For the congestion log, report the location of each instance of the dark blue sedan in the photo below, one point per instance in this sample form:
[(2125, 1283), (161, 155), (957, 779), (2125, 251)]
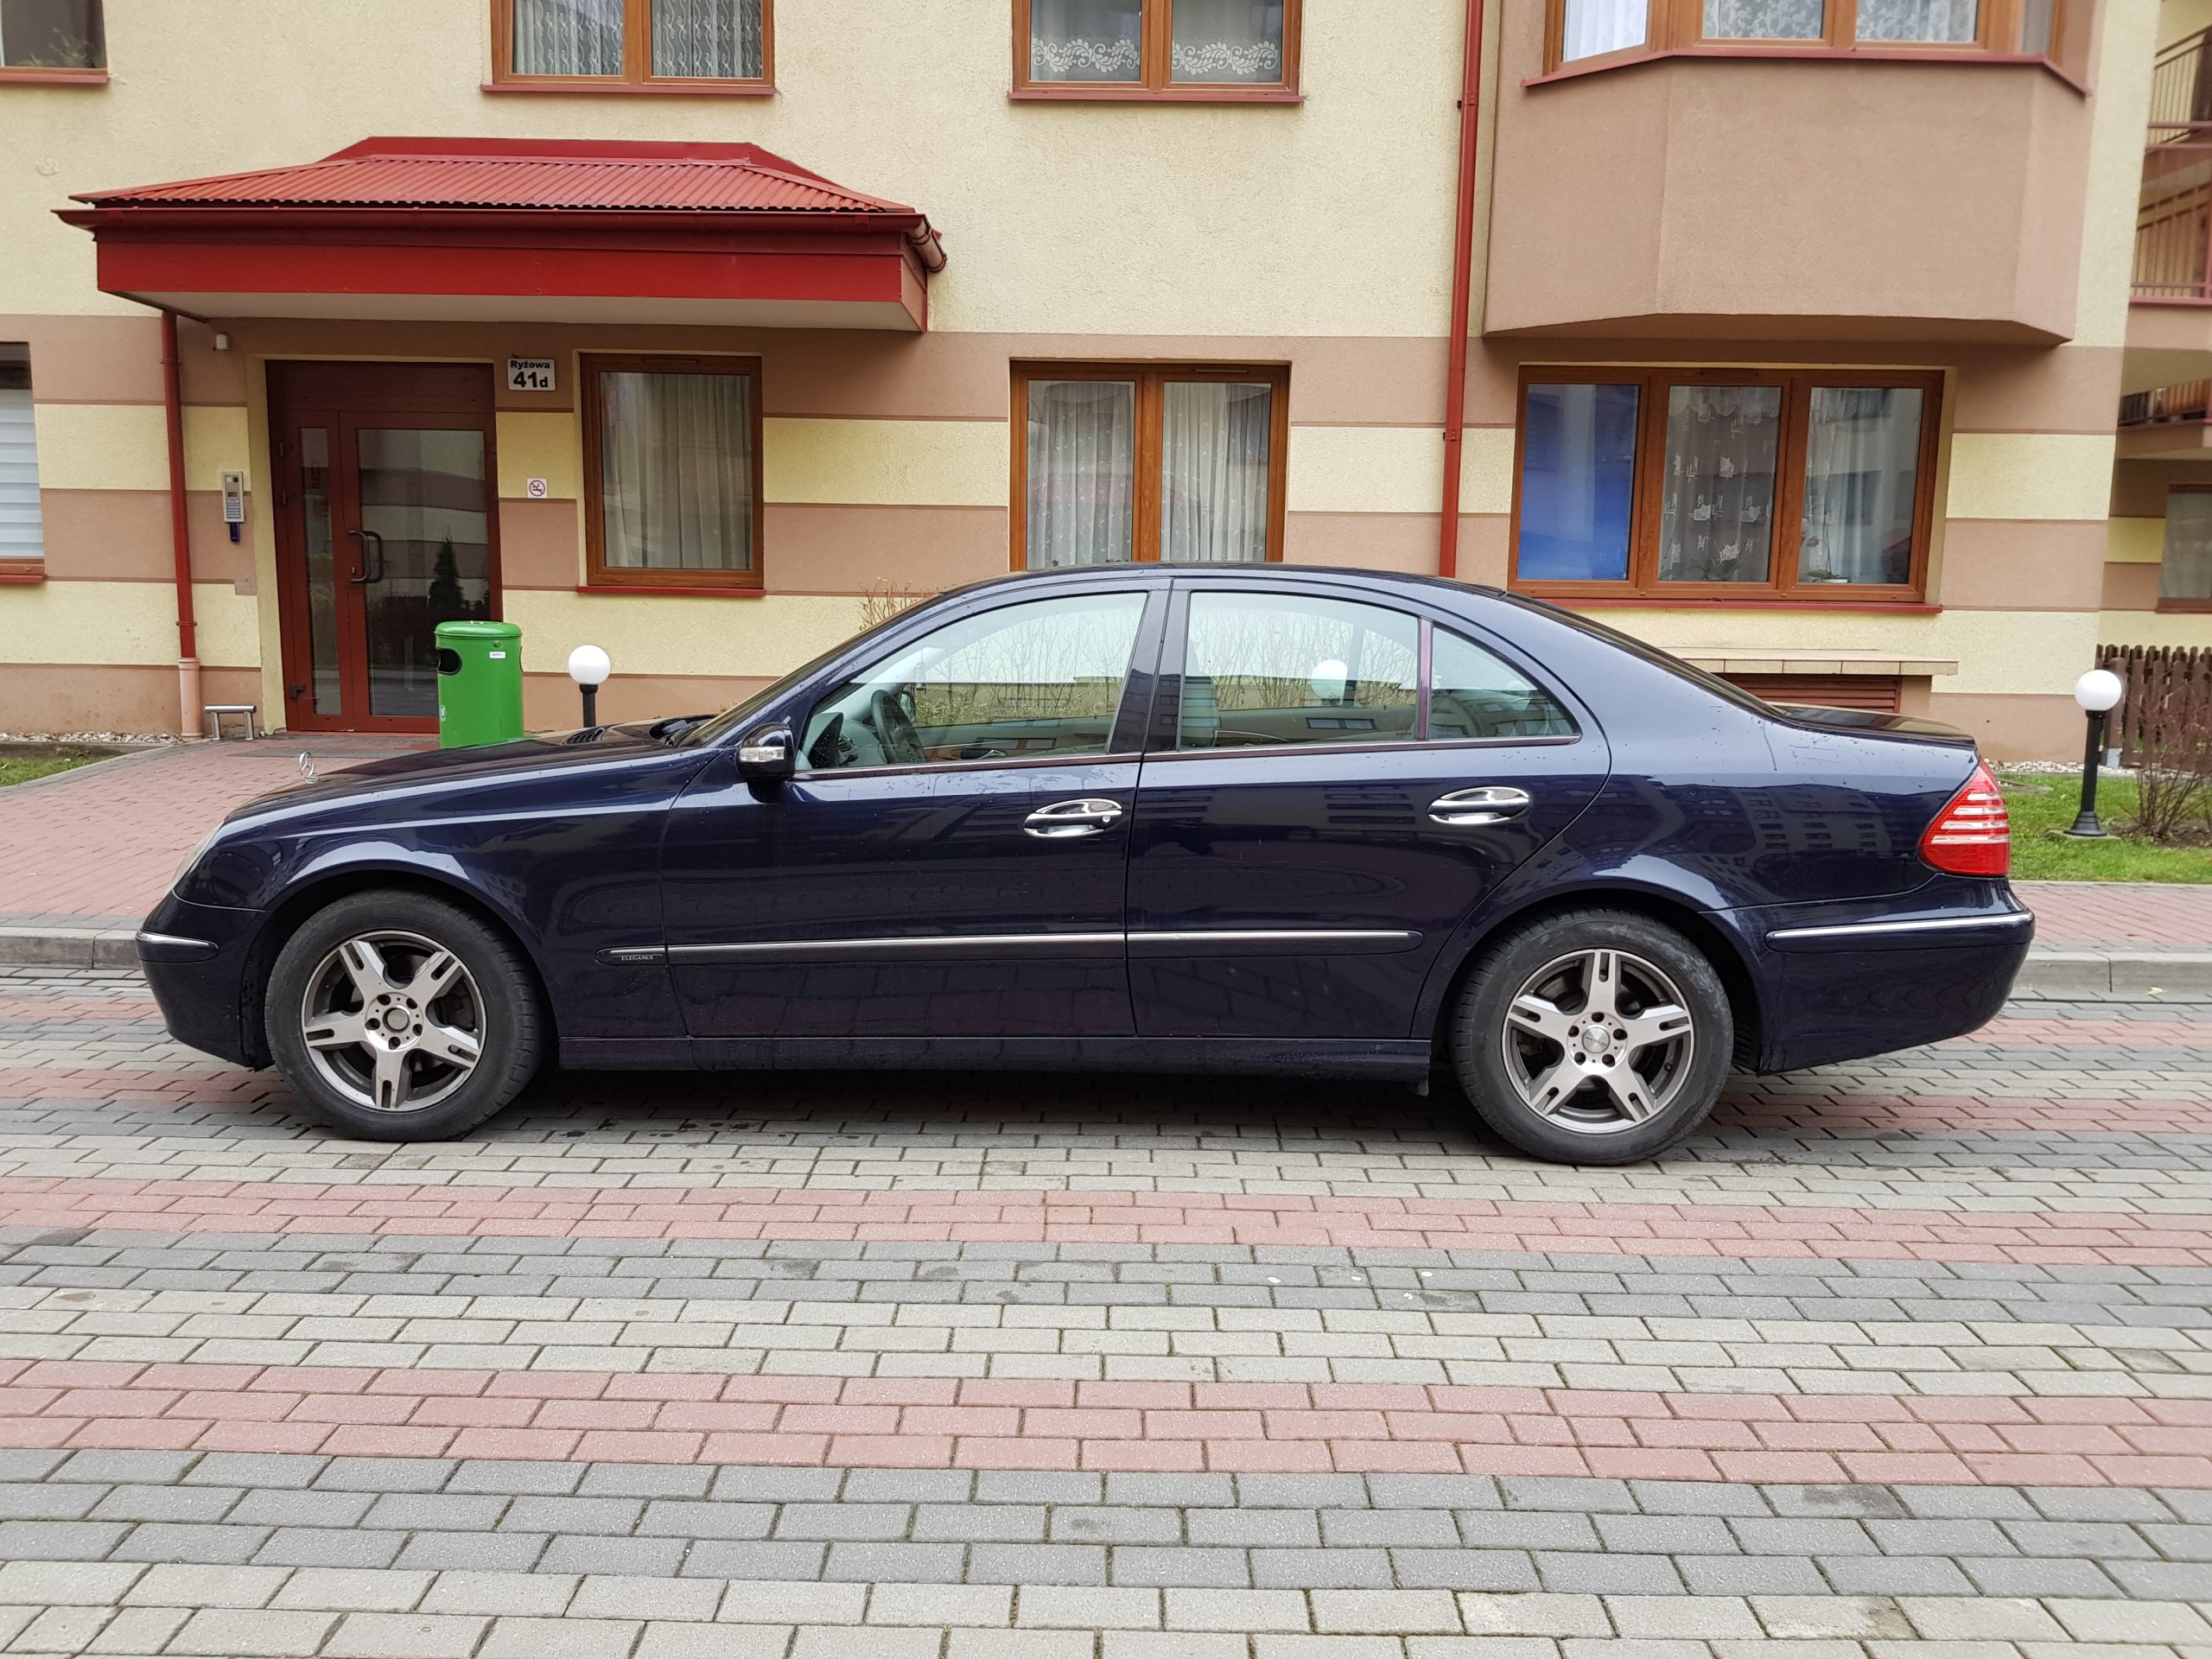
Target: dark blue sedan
[(1241, 820)]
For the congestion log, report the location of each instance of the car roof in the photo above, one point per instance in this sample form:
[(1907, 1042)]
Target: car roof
[(1259, 574)]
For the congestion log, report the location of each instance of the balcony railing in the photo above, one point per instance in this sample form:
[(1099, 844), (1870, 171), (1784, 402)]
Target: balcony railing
[(2166, 406), (2173, 222)]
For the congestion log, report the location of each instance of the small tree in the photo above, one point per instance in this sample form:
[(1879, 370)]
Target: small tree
[(2173, 777), (446, 603)]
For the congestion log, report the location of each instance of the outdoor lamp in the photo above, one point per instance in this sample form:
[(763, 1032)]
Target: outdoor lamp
[(2099, 692), (588, 666)]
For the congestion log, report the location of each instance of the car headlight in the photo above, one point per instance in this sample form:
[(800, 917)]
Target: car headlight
[(194, 857)]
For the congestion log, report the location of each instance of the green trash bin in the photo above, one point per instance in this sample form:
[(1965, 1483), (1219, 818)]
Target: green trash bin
[(480, 683)]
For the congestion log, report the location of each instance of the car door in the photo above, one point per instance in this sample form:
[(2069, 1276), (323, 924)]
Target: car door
[(949, 860), (1331, 786)]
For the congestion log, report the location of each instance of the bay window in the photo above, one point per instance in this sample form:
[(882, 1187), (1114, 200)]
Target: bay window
[(672, 472), (1725, 484), (1180, 465), (634, 45), (1222, 49), (1588, 31)]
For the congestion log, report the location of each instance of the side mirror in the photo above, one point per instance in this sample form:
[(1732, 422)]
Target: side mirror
[(767, 755)]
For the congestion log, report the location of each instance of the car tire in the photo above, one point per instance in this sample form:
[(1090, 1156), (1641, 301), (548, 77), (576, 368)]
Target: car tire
[(401, 1017), (1561, 1085)]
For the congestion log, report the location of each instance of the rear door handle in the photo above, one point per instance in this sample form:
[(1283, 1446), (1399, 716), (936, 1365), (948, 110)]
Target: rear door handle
[(1484, 803), (1064, 819)]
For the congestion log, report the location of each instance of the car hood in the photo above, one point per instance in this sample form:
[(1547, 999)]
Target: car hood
[(472, 767)]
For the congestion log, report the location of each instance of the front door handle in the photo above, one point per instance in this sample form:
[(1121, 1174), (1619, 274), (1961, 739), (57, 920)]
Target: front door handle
[(1484, 803), (1064, 820), (372, 558)]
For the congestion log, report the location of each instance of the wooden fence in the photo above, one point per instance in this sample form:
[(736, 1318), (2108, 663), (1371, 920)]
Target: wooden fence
[(2168, 699)]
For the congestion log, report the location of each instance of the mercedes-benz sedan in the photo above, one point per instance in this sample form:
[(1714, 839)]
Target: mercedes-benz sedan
[(1252, 820)]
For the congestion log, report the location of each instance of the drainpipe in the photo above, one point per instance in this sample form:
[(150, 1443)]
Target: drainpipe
[(187, 644), (1463, 272)]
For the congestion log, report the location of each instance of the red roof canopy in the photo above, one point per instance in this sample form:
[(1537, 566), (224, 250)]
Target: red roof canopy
[(537, 229)]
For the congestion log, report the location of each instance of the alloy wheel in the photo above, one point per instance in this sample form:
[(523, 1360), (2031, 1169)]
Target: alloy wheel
[(1598, 1041), (393, 1022)]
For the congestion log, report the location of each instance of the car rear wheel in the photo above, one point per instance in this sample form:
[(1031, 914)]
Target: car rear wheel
[(401, 1017), (1595, 1037)]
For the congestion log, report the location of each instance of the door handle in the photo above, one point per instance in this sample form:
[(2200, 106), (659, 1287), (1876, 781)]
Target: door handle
[(1064, 820), (371, 572), (1484, 803)]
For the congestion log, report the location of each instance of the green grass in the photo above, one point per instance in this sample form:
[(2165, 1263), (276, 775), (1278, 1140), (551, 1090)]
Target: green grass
[(22, 768), (2040, 853)]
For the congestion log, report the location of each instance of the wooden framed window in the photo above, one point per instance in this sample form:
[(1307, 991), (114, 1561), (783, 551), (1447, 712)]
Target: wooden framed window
[(1208, 50), (2185, 563), (22, 542), (1583, 34), (1725, 484), (1116, 464), (664, 46), (672, 473), (53, 41)]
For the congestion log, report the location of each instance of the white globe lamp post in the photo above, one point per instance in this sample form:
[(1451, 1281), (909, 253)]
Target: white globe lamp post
[(588, 666), (2097, 693)]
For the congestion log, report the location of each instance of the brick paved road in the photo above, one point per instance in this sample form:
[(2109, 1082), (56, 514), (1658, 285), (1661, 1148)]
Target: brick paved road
[(1909, 1360)]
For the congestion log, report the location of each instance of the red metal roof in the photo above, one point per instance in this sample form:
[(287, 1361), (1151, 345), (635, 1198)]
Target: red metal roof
[(480, 175)]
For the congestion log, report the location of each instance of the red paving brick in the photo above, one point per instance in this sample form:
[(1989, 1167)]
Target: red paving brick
[(96, 848), (980, 1423), (2119, 912), (973, 1215)]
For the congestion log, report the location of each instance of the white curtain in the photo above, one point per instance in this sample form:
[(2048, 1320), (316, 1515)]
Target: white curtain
[(716, 40), (567, 37), (1227, 40), (1593, 27), (1862, 477), (1082, 443), (675, 471), (20, 537), (1762, 20), (1213, 482), (1086, 39), (1918, 20), (2186, 570), (1716, 507)]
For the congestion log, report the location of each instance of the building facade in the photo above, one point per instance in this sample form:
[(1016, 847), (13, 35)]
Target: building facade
[(1795, 332)]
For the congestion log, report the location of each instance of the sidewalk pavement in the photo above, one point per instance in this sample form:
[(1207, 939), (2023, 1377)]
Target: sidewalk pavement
[(89, 851)]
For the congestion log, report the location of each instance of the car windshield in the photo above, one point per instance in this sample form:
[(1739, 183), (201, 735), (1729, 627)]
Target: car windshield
[(730, 720)]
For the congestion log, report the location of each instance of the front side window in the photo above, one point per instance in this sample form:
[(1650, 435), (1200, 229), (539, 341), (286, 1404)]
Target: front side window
[(1041, 680), (2185, 568), (672, 468), (1158, 47), (639, 42), (1684, 484), (52, 35), (1121, 466), (22, 537), (1583, 30)]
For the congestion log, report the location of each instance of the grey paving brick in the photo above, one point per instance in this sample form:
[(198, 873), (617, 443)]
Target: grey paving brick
[(2163, 1580), (329, 1546), (1038, 1486), (1671, 1535), (472, 1552), (1954, 1502), (646, 1480), (1301, 1491), (1141, 1489), (1802, 1537), (616, 1516), (1960, 1537), (753, 1558), (409, 1511), (165, 1503), (1012, 1523), (1321, 1569), (385, 1474), (1896, 1575), (58, 1541), (866, 1563), (832, 1522), (1352, 1529), (1275, 1529), (516, 1478), (1751, 1575), (1049, 1564), (754, 1485), (656, 1558), (908, 1487), (152, 1468), (685, 1518), (1115, 1524), (1197, 1568), (1493, 1570), (293, 1507), (1527, 1529), (2019, 1575), (57, 1501), (2096, 1503)]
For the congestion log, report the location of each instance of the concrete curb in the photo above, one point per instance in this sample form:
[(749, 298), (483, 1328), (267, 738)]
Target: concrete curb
[(2059, 972), (2051, 971), (69, 947)]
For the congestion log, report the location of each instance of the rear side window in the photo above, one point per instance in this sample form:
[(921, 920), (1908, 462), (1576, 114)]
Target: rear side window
[(1472, 694), (1265, 670)]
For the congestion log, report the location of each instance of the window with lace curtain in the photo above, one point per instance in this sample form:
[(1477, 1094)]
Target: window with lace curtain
[(1211, 49), (1119, 465), (1589, 32), (634, 44), (1797, 485)]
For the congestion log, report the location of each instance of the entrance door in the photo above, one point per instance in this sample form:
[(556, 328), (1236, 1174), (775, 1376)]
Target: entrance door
[(385, 528)]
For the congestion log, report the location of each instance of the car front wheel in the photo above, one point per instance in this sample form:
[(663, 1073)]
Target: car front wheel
[(1595, 1037), (401, 1017)]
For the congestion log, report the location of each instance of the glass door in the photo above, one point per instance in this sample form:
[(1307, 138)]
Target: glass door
[(387, 528)]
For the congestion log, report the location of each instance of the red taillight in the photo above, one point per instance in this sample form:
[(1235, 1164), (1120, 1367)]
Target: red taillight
[(1973, 836)]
